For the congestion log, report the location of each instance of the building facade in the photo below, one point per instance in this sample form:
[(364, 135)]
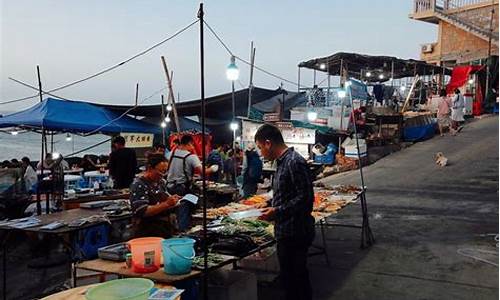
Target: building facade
[(467, 30)]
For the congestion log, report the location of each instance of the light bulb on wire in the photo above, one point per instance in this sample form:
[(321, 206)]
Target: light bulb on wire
[(232, 72)]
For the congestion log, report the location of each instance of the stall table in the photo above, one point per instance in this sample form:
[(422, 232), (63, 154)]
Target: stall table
[(120, 268), (75, 202), (65, 217), (78, 293)]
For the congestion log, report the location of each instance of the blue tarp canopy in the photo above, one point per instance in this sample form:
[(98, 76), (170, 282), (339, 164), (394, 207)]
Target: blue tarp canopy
[(76, 117)]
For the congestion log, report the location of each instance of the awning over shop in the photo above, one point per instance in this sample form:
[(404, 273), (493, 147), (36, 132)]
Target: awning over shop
[(75, 116), (357, 66), (460, 76)]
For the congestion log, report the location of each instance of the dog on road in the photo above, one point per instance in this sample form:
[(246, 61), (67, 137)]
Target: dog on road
[(441, 160)]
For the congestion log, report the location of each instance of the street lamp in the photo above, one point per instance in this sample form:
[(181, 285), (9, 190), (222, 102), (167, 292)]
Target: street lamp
[(232, 74)]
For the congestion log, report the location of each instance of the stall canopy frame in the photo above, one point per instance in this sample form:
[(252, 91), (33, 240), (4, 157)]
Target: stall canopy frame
[(357, 65)]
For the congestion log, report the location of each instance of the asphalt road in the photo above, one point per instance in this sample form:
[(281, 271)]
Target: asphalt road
[(422, 216)]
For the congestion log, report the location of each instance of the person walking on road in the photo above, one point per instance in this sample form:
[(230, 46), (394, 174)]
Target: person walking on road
[(457, 110), (443, 112)]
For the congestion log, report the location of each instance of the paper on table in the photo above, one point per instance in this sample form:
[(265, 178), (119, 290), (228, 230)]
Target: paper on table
[(191, 198), (164, 294)]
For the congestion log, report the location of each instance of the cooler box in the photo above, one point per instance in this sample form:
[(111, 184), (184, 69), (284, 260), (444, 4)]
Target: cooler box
[(351, 151), (88, 241)]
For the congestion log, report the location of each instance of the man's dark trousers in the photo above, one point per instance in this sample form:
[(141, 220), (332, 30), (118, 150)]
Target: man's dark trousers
[(292, 256)]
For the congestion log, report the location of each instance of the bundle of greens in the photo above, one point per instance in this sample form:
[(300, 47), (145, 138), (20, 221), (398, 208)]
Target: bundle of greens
[(212, 260)]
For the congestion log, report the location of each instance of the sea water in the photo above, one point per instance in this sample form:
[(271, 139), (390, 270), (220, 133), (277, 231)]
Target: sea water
[(30, 144)]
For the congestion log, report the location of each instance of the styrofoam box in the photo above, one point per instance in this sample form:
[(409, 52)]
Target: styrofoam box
[(351, 151)]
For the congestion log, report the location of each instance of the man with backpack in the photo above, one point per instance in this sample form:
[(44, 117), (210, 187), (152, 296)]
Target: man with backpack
[(252, 171), (181, 169)]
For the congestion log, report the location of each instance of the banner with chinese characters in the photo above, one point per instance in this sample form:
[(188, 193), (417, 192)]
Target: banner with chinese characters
[(138, 140)]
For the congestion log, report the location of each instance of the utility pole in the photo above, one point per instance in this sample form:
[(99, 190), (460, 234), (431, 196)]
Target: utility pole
[(136, 97), (489, 51)]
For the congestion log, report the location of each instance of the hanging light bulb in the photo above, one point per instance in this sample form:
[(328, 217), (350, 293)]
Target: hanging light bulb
[(163, 124), (233, 126), (169, 107), (68, 137), (167, 119), (341, 93), (381, 76), (368, 74), (232, 72), (312, 116), (471, 81), (322, 66)]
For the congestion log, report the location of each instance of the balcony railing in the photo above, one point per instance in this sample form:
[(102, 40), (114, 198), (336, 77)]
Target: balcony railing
[(431, 5)]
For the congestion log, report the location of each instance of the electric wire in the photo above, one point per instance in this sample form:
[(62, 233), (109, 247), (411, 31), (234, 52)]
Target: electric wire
[(109, 68), (124, 113), (245, 61)]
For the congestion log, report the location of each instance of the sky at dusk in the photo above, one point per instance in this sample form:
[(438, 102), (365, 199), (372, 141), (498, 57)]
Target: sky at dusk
[(70, 40)]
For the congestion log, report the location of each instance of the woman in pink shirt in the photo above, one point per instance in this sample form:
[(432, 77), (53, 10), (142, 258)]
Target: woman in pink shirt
[(443, 112)]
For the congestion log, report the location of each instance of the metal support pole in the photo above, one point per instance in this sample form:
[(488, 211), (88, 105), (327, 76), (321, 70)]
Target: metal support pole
[(250, 85), (235, 169), (489, 52), (314, 78), (42, 155), (392, 72), (136, 97), (203, 154), (367, 238), (329, 82), (341, 72), (163, 140), (298, 80)]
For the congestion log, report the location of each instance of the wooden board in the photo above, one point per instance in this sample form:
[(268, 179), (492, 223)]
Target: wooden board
[(120, 268)]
